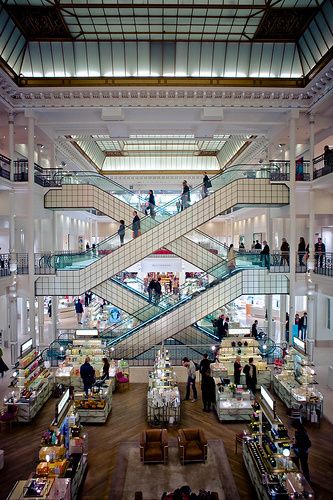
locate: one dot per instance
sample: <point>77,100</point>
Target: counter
<point>96,408</point>
<point>230,405</point>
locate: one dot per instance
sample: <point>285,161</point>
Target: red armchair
<point>154,446</point>
<point>192,445</point>
<point>7,417</point>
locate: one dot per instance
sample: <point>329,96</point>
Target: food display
<point>163,398</point>
<point>97,406</point>
<point>231,402</point>
<point>43,488</point>
<point>267,454</point>
<point>296,386</point>
<point>32,384</point>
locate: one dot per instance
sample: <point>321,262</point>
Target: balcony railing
<point>282,172</point>
<point>322,165</point>
<point>4,167</point>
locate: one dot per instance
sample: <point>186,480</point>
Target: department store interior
<point>166,196</point>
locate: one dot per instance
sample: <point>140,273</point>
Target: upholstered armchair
<point>192,445</point>
<point>154,446</point>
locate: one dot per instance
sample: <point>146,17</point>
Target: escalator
<point>177,315</point>
<point>236,187</point>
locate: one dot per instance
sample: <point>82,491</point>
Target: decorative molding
<point>24,98</point>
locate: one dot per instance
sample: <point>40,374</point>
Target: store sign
<point>86,333</point>
<point>265,395</point>
<point>62,403</point>
<point>26,347</point>
<point>299,344</point>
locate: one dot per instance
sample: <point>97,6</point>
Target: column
<point>269,228</point>
<point>22,303</point>
<point>11,143</point>
<point>40,317</point>
<point>311,259</point>
<point>54,238</point>
<point>55,318</point>
<point>311,310</point>
<point>294,114</point>
<point>52,150</point>
<point>312,142</point>
<point>96,232</point>
<point>268,306</point>
<point>12,320</point>
<point>283,310</point>
<point>30,228</point>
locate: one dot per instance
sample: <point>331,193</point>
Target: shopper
<point>205,185</point>
<point>265,254</point>
<point>257,245</point>
<point>204,364</point>
<point>207,390</point>
<point>320,250</point>
<point>302,326</point>
<point>151,205</point>
<point>3,367</point>
<point>253,246</point>
<point>301,448</point>
<point>87,246</point>
<point>49,308</point>
<point>191,376</point>
<point>237,370</point>
<point>94,250</point>
<point>151,289</point>
<point>136,224</point>
<point>250,371</point>
<point>241,247</point>
<point>301,251</point>
<point>328,157</point>
<point>87,374</point>
<point>158,290</point>
<point>254,329</point>
<point>185,196</point>
<point>79,311</point>
<point>231,258</point>
<point>178,206</point>
<point>220,327</point>
<point>121,231</point>
<point>106,368</point>
<point>86,299</point>
<point>226,326</point>
<point>284,252</point>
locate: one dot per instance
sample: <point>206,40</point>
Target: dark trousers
<point>191,382</point>
<point>121,237</point>
<point>302,457</point>
<point>319,260</point>
<point>206,402</point>
<point>87,384</point>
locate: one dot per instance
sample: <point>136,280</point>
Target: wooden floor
<point>125,423</point>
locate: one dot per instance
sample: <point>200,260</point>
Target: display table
<point>63,375</point>
<point>28,409</point>
<point>97,407</point>
<point>231,405</point>
<point>54,488</point>
<point>163,397</point>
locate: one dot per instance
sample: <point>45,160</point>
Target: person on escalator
<point>151,204</point>
<point>121,231</point>
<point>158,290</point>
<point>185,197</point>
<point>79,311</point>
<point>205,185</point>
<point>220,327</point>
<point>136,224</point>
<point>231,258</point>
<point>151,289</point>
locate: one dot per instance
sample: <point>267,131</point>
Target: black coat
<point>208,388</point>
<point>158,288</point>
<point>250,381</point>
<point>204,365</point>
<point>265,250</point>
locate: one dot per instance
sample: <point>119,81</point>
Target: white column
<point>283,310</point>
<point>312,142</point>
<point>30,228</point>
<point>52,150</point>
<point>269,228</point>
<point>12,220</point>
<point>12,320</point>
<point>55,317</point>
<point>54,239</point>
<point>294,114</point>
<point>311,228</point>
<point>96,231</point>
<point>311,313</point>
<point>40,316</point>
<point>22,302</point>
<point>268,306</point>
<point>11,143</point>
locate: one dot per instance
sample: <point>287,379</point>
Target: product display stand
<point>163,398</point>
<point>232,403</point>
<point>96,408</point>
<point>33,385</point>
<point>295,386</point>
<point>266,454</point>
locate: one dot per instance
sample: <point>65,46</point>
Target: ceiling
<point>239,39</point>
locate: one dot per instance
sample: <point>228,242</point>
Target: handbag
<point>209,184</point>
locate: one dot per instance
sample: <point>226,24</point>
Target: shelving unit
<point>34,385</point>
<point>232,405</point>
<point>266,454</point>
<point>163,398</point>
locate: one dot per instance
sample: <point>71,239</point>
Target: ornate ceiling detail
<point>283,24</point>
<point>39,23</point>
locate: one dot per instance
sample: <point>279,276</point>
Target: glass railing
<point>133,284</point>
<point>169,302</point>
<point>209,243</point>
<point>80,260</point>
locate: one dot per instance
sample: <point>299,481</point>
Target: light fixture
<point>286,452</point>
<point>264,347</point>
<point>213,347</point>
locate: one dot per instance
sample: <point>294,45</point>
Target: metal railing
<point>282,172</point>
<point>4,167</point>
<point>322,165</point>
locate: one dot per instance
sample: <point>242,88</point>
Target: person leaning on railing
<point>264,254</point>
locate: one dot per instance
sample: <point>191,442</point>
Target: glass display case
<point>97,406</point>
<point>163,397</point>
<point>231,402</point>
<point>268,453</point>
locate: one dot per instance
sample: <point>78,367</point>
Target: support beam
<point>31,226</point>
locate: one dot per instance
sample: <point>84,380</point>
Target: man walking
<point>320,251</point>
<point>191,376</point>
